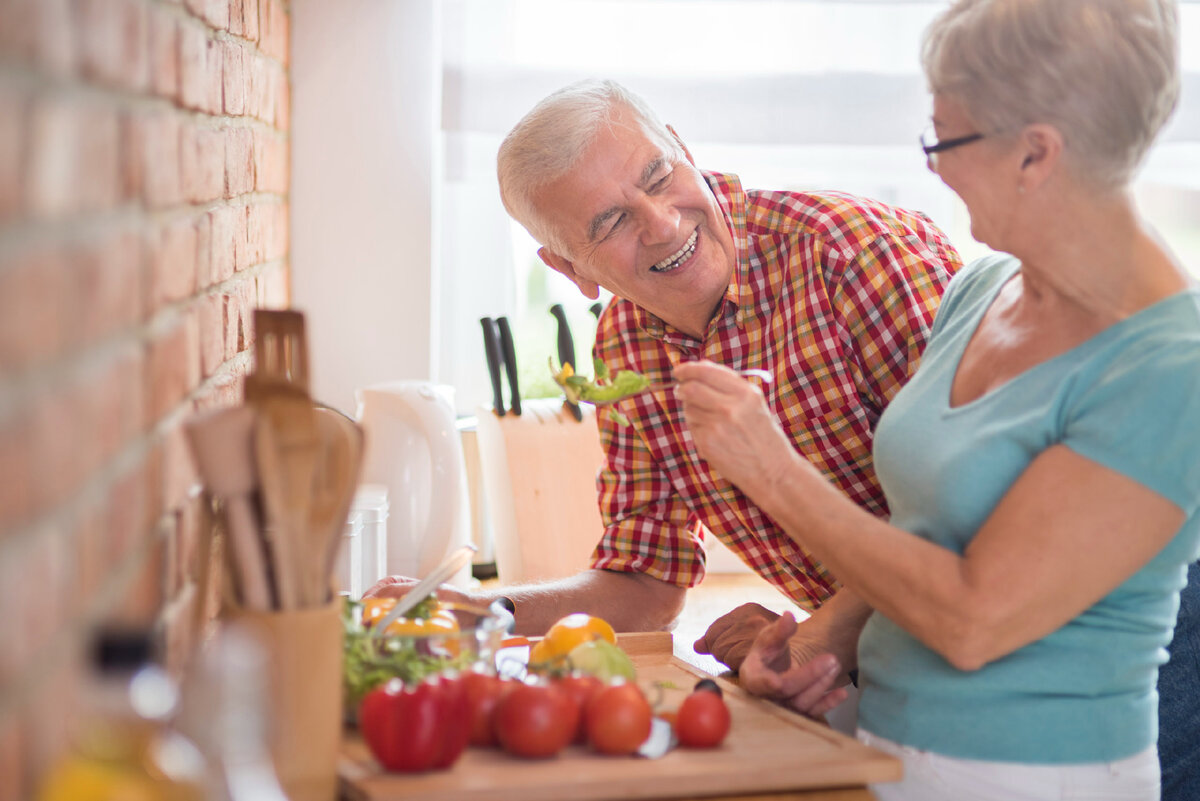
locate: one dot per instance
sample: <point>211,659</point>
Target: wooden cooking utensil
<point>275,529</point>
<point>222,442</point>
<point>340,452</point>
<point>278,389</point>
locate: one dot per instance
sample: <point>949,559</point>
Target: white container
<point>348,568</point>
<point>414,449</point>
<point>371,503</point>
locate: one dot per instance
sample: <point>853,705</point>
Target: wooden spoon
<point>339,459</point>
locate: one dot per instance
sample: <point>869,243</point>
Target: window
<point>788,94</point>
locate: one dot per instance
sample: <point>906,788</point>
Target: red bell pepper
<point>411,729</point>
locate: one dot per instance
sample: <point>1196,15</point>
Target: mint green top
<point>1129,399</point>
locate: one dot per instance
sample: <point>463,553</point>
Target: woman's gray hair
<point>1105,73</point>
<point>549,141</point>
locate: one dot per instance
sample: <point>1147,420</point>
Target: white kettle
<point>412,446</point>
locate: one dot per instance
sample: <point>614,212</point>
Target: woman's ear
<point>1041,152</point>
<point>560,264</point>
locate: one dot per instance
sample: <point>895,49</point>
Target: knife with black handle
<point>566,352</point>
<point>491,347</point>
<point>510,365</point>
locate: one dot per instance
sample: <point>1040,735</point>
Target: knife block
<point>538,473</point>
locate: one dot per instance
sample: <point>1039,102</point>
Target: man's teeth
<point>679,257</point>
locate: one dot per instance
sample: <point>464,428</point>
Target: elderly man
<point>834,295</point>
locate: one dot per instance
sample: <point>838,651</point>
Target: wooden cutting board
<point>768,750</point>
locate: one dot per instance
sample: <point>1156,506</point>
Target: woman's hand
<point>792,670</point>
<point>731,425</point>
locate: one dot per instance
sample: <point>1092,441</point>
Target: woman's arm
<point>1066,533</point>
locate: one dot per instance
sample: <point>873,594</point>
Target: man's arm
<point>629,601</point>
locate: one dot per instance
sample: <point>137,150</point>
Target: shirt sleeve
<point>647,526</point>
<point>885,299</point>
<point>1139,418</point>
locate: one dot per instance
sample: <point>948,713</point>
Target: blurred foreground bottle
<point>226,707</point>
<point>125,748</point>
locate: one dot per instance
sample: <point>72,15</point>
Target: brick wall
<point>143,214</point>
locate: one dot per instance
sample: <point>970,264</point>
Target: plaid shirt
<point>835,295</point>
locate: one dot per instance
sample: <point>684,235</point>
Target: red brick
<point>250,28</point>
<point>203,223</point>
<point>173,263</point>
<point>114,43</point>
<point>202,162</point>
<point>51,712</point>
<point>273,29</point>
<point>164,52</point>
<point>258,222</point>
<point>132,158</point>
<point>93,553</point>
<point>14,114</point>
<point>34,285</point>
<point>241,246</point>
<point>39,33</point>
<point>16,475</point>
<point>54,168</point>
<point>169,370</point>
<point>132,506</point>
<point>143,597</point>
<point>235,330</point>
<point>161,174</point>
<point>237,17</point>
<point>107,291</point>
<point>279,246</point>
<point>214,78</point>
<point>223,225</point>
<point>216,14</point>
<point>193,66</point>
<point>60,452</point>
<point>283,104</point>
<point>211,314</point>
<point>234,78</point>
<point>14,784</point>
<point>239,161</point>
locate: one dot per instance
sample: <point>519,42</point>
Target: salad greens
<point>369,661</point>
<point>603,389</point>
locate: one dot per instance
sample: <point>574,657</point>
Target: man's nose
<point>660,222</point>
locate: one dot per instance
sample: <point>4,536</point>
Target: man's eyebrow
<point>647,175</point>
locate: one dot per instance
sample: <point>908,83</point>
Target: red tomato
<point>702,720</point>
<point>484,691</point>
<point>415,728</point>
<point>580,688</point>
<point>618,719</point>
<point>535,720</point>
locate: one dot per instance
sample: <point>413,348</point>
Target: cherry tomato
<point>580,688</point>
<point>484,692</point>
<point>535,720</point>
<point>703,720</point>
<point>618,719</point>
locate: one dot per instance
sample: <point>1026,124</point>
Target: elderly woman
<point>1043,465</point>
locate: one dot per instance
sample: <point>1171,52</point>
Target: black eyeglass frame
<point>948,144</point>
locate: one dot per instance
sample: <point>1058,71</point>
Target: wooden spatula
<point>339,458</point>
<point>278,389</point>
<point>222,443</point>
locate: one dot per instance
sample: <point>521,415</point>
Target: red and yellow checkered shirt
<point>833,294</point>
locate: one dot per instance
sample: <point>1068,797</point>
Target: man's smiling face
<point>638,219</point>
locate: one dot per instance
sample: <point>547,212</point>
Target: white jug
<point>413,448</point>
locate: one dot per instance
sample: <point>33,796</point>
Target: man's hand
<point>397,586</point>
<point>790,667</point>
<point>730,636</point>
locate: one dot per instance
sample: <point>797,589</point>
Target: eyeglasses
<point>931,146</point>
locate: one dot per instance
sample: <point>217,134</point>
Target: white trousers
<point>933,777</point>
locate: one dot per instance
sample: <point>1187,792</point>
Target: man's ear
<point>679,142</point>
<point>1041,151</point>
<point>563,265</point>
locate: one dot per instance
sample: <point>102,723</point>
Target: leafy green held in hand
<point>603,389</point>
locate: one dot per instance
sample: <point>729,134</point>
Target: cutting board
<point>768,749</point>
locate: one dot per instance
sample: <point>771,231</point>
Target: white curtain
<point>788,94</point>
